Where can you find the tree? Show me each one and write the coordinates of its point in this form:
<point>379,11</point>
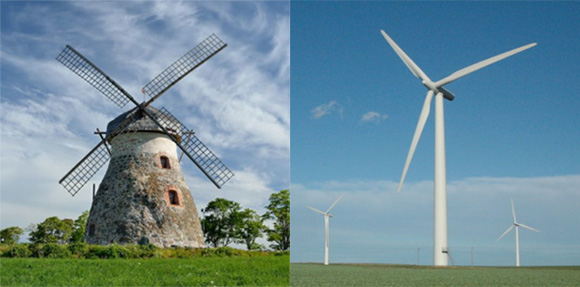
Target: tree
<point>221,225</point>
<point>279,211</point>
<point>251,228</point>
<point>79,226</point>
<point>11,235</point>
<point>52,230</point>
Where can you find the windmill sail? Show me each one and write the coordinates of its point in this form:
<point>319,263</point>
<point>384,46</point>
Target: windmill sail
<point>81,173</point>
<point>93,75</point>
<point>196,150</point>
<point>89,165</point>
<point>183,66</point>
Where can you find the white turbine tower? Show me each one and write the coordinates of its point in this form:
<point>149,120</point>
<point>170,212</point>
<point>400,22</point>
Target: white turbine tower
<point>440,248</point>
<point>516,225</point>
<point>327,216</point>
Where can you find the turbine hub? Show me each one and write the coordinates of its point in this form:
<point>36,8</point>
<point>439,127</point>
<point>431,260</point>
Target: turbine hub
<point>430,86</point>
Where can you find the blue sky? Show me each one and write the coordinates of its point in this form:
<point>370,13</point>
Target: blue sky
<point>238,103</point>
<point>511,132</point>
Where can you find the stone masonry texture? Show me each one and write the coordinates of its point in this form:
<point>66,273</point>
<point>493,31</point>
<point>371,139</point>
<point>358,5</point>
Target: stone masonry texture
<point>131,204</point>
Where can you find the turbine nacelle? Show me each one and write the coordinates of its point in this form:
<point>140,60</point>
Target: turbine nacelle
<point>433,87</point>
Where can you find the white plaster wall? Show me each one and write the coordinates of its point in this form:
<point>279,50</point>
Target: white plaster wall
<point>143,142</point>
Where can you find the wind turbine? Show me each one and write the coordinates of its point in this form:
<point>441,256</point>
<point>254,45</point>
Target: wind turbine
<point>516,225</point>
<point>440,248</point>
<point>327,216</point>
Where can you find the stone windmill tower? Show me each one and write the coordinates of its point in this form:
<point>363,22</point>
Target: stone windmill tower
<point>143,197</point>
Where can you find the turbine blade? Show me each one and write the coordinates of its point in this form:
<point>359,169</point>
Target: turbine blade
<point>513,211</point>
<point>506,232</point>
<point>339,198</point>
<point>406,59</point>
<point>527,227</point>
<point>316,210</point>
<point>420,125</point>
<point>482,64</point>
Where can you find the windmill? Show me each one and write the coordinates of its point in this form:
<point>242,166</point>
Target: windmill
<point>440,248</point>
<point>327,216</point>
<point>143,197</point>
<point>516,224</point>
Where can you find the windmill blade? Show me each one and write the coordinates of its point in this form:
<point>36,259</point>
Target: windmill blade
<point>89,165</point>
<point>201,155</point>
<point>506,232</point>
<point>316,210</point>
<point>94,76</point>
<point>513,211</point>
<point>83,171</point>
<point>420,125</point>
<point>406,59</point>
<point>339,198</point>
<point>183,66</point>
<point>527,227</point>
<point>482,64</point>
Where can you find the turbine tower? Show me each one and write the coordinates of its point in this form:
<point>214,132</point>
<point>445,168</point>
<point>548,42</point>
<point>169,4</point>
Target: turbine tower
<point>516,225</point>
<point>327,216</point>
<point>440,247</point>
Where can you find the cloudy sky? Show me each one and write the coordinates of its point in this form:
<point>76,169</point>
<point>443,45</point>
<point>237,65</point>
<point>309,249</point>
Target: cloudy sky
<point>238,103</point>
<point>511,132</point>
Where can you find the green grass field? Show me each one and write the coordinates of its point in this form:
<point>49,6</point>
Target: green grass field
<point>217,271</point>
<point>398,275</point>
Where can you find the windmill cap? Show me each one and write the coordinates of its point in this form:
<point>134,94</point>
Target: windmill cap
<point>144,124</point>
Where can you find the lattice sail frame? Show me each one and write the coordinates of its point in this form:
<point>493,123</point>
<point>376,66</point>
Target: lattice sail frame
<point>87,167</point>
<point>92,75</point>
<point>197,151</point>
<point>183,66</point>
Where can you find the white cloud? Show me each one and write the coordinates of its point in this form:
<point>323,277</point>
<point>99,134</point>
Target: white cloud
<point>373,117</point>
<point>374,223</point>
<point>326,109</point>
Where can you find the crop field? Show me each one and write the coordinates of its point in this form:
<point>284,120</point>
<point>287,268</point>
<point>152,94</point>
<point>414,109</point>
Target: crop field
<point>302,274</point>
<point>203,271</point>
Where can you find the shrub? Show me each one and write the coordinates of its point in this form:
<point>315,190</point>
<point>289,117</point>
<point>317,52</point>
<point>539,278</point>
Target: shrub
<point>113,251</point>
<point>282,253</point>
<point>53,250</point>
<point>4,248</point>
<point>142,251</point>
<point>36,250</point>
<point>79,249</point>
<point>18,251</point>
<point>120,251</point>
<point>223,252</point>
<point>99,251</point>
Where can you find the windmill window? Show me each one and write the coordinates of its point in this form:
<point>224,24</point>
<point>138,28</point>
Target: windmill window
<point>91,229</point>
<point>173,197</point>
<point>164,162</point>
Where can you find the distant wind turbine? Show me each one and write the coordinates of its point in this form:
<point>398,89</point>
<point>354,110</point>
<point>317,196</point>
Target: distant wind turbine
<point>516,225</point>
<point>440,248</point>
<point>327,215</point>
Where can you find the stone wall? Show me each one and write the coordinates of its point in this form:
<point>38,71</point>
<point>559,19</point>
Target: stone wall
<point>132,204</point>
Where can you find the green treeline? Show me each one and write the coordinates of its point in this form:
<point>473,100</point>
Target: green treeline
<point>224,222</point>
<point>83,250</point>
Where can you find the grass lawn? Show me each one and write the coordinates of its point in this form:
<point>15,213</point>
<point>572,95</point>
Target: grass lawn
<point>302,274</point>
<point>212,271</point>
